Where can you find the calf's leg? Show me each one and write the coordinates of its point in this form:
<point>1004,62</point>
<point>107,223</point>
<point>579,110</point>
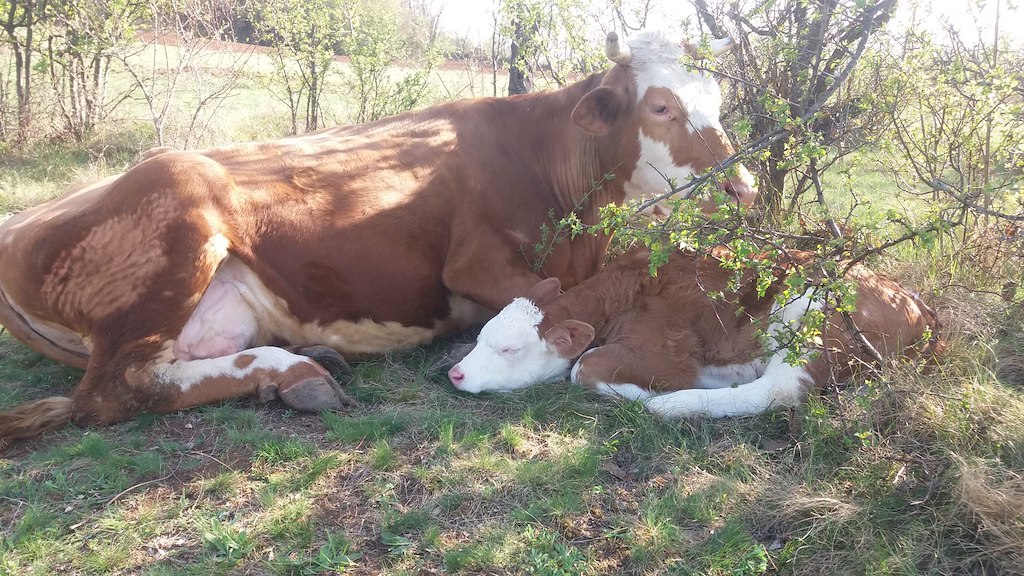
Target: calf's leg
<point>620,371</point>
<point>780,385</point>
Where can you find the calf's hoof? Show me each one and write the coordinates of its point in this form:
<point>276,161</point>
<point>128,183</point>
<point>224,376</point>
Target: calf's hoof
<point>452,355</point>
<point>316,394</point>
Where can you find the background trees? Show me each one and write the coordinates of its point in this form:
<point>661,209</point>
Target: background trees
<point>819,89</point>
<point>895,142</point>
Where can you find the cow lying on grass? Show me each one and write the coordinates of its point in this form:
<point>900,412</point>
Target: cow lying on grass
<point>176,283</point>
<point>664,341</point>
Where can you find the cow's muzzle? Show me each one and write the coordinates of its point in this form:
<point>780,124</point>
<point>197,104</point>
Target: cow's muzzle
<point>741,186</point>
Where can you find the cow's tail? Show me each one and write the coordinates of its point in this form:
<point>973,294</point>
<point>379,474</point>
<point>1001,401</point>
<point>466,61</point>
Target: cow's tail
<point>32,419</point>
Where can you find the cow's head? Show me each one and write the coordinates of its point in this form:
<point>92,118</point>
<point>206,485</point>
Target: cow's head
<point>518,348</point>
<point>675,109</point>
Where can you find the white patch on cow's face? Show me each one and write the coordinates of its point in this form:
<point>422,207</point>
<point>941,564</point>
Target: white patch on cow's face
<point>656,63</point>
<point>655,172</point>
<point>698,93</point>
<point>510,353</point>
<point>674,103</point>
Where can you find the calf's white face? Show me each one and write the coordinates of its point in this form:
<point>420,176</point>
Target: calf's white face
<point>510,352</point>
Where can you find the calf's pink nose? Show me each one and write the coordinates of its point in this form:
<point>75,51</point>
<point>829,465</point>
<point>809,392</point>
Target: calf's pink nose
<point>456,376</point>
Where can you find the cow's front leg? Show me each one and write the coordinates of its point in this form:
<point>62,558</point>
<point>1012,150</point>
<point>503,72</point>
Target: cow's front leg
<point>490,274</point>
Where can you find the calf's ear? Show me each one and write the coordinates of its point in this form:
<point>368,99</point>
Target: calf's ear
<point>570,337</point>
<point>544,291</point>
<point>598,110</point>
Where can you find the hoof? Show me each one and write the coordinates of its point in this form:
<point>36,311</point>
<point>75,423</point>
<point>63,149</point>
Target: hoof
<point>267,392</point>
<point>329,359</point>
<point>316,394</point>
<point>452,356</point>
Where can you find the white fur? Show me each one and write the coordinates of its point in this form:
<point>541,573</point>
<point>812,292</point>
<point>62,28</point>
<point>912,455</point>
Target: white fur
<point>510,353</point>
<point>781,384</point>
<point>624,391</point>
<point>731,375</point>
<point>186,374</point>
<point>656,63</point>
<point>655,171</point>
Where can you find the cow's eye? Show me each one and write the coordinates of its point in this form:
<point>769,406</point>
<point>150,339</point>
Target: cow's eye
<point>509,350</point>
<point>661,110</point>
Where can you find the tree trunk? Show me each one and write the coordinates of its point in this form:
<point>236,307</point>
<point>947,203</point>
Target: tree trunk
<point>22,60</point>
<point>518,81</point>
<point>772,185</point>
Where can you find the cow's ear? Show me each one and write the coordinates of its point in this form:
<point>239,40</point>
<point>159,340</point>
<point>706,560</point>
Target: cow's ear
<point>544,291</point>
<point>598,110</point>
<point>570,337</point>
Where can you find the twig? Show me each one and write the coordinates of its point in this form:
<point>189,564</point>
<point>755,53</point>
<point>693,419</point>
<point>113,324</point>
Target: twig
<point>139,485</point>
<point>212,458</point>
<point>962,198</point>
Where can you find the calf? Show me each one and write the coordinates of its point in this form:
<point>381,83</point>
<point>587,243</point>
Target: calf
<point>664,340</point>
<point>176,283</point>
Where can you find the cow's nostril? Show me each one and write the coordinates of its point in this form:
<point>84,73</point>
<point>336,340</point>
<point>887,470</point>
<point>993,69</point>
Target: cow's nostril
<point>456,375</point>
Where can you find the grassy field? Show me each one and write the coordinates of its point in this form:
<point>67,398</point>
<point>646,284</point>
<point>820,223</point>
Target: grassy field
<point>909,473</point>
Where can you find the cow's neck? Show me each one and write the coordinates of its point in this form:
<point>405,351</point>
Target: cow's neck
<point>577,167</point>
<point>575,164</point>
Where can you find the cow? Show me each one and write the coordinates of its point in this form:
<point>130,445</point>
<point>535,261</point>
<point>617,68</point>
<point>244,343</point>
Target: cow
<point>669,342</point>
<point>192,277</point>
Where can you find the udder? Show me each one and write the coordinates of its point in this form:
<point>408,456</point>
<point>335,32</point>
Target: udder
<point>222,324</point>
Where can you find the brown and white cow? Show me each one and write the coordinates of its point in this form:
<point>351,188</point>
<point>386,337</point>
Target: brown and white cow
<point>663,340</point>
<point>171,283</point>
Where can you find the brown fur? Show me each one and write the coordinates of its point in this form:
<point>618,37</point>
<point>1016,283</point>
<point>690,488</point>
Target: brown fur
<point>34,418</point>
<point>382,223</point>
<point>657,332</point>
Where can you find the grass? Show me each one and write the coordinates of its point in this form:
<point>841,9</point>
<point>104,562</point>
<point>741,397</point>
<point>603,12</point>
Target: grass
<point>909,474</point>
<point>916,475</point>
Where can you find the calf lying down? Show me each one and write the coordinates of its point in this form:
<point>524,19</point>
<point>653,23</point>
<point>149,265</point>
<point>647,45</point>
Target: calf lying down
<point>664,341</point>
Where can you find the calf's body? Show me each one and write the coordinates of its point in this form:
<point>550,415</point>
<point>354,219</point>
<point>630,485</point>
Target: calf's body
<point>173,283</point>
<point>667,341</point>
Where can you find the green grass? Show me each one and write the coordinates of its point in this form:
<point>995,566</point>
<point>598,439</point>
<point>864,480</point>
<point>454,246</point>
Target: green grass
<point>913,474</point>
<point>482,484</point>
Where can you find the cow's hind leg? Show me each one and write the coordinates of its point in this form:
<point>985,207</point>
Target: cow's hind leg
<point>163,385</point>
<point>149,247</point>
<point>265,373</point>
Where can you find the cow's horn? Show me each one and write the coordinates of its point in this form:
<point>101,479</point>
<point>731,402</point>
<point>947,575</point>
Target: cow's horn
<point>720,46</point>
<point>716,47</point>
<point>618,53</point>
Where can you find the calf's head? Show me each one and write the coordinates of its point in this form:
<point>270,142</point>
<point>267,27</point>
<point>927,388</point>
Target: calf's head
<point>675,110</point>
<point>520,347</point>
